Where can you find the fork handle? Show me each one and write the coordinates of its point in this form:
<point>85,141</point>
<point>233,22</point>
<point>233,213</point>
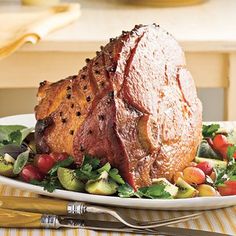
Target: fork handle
<point>36,205</point>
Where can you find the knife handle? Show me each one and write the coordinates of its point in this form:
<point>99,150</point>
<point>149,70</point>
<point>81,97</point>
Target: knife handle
<point>18,219</point>
<point>36,205</point>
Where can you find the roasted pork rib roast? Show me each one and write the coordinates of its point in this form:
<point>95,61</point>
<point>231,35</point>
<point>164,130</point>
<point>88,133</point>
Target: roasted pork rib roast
<point>133,105</point>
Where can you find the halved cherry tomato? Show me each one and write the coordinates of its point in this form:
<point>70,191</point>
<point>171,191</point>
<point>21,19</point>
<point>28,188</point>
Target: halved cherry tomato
<point>228,188</point>
<point>206,167</point>
<point>30,172</point>
<point>44,162</point>
<point>220,141</point>
<point>220,144</point>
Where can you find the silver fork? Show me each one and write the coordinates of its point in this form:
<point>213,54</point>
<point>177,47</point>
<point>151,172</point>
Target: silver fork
<point>80,208</point>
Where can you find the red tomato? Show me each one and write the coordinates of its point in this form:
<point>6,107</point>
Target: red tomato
<point>59,156</point>
<point>219,141</point>
<point>31,172</point>
<point>44,162</point>
<point>206,167</point>
<point>229,188</point>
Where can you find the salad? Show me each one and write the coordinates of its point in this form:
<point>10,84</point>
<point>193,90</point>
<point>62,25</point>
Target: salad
<point>212,173</point>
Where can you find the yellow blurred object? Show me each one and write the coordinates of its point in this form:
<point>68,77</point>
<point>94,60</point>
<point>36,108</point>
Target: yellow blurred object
<point>40,2</point>
<point>37,205</point>
<point>165,3</point>
<point>26,24</point>
<point>19,219</point>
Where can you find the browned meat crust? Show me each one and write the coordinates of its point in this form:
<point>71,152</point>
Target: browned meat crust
<point>134,105</point>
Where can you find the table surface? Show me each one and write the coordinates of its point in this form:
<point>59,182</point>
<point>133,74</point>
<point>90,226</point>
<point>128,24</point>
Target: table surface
<point>204,27</point>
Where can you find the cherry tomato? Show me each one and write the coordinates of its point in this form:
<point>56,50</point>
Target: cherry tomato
<point>219,141</point>
<point>59,156</point>
<point>206,167</point>
<point>228,188</point>
<point>221,145</point>
<point>30,172</point>
<point>194,175</point>
<point>44,162</point>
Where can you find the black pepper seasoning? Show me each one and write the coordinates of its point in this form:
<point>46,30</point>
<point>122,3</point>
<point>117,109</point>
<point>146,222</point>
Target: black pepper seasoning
<point>101,117</point>
<point>81,148</point>
<point>43,83</point>
<point>78,113</point>
<point>63,120</point>
<point>71,132</point>
<point>88,99</point>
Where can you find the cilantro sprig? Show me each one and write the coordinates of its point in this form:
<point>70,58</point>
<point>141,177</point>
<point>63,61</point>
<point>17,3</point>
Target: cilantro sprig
<point>230,172</point>
<point>210,130</point>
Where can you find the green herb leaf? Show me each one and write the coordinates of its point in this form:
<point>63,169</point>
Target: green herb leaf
<point>209,130</point>
<point>114,174</point>
<point>6,130</point>
<point>126,191</point>
<point>49,184</point>
<point>20,162</point>
<point>86,172</point>
<point>25,132</point>
<point>155,191</point>
<point>224,175</point>
<point>233,177</point>
<point>15,137</point>
<point>106,168</point>
<point>93,161</point>
<point>64,163</point>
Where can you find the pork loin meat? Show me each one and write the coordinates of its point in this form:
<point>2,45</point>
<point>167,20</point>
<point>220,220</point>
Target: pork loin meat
<point>134,105</point>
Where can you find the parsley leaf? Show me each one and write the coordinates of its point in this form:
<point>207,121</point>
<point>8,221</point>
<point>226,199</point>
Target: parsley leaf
<point>64,163</point>
<point>106,168</point>
<point>126,191</point>
<point>210,130</point>
<point>49,184</point>
<point>230,172</point>
<point>114,174</point>
<point>85,172</point>
<point>94,162</point>
<point>155,191</point>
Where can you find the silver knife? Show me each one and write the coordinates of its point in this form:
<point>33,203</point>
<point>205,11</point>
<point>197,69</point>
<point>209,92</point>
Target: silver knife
<point>57,222</point>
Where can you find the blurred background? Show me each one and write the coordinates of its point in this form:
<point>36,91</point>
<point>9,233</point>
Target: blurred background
<point>205,29</point>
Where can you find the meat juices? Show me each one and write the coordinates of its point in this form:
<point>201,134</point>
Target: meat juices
<point>134,105</point>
